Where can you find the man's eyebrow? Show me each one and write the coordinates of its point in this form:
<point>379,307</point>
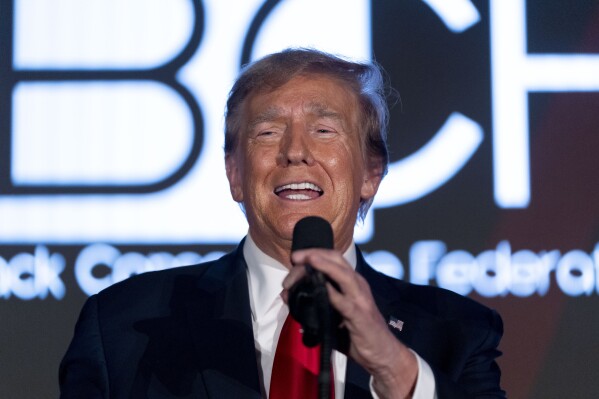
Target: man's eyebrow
<point>323,111</point>
<point>274,112</point>
<point>270,114</point>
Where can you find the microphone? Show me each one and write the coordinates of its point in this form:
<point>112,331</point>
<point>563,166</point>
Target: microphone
<point>308,297</point>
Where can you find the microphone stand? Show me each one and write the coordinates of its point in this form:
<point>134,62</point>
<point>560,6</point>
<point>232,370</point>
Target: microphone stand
<point>327,344</point>
<point>310,306</point>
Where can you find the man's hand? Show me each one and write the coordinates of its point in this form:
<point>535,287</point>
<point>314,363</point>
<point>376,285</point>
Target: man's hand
<point>393,366</point>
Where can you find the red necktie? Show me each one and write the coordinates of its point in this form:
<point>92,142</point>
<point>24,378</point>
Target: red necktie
<point>295,368</point>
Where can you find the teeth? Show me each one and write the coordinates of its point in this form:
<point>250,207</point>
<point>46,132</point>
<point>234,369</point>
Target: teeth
<point>298,186</point>
<point>298,197</point>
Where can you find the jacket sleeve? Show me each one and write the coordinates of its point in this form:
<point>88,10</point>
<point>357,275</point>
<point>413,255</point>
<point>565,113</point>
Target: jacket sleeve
<point>83,372</point>
<point>480,377</point>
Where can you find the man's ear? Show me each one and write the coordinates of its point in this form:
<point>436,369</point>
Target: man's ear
<point>373,175</point>
<point>234,177</point>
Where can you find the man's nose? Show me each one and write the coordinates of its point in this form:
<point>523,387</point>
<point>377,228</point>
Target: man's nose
<point>295,147</point>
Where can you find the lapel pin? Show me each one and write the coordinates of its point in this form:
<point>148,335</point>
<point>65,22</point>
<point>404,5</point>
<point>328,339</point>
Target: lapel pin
<point>396,323</point>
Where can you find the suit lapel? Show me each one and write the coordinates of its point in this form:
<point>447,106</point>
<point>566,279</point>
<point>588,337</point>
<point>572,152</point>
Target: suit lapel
<point>218,313</point>
<point>358,379</point>
<point>401,310</point>
<point>422,330</point>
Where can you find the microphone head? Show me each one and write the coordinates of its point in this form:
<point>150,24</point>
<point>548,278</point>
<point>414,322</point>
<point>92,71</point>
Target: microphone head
<point>312,232</point>
<point>308,298</point>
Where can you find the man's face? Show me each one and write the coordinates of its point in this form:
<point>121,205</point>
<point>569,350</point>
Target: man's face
<point>299,154</point>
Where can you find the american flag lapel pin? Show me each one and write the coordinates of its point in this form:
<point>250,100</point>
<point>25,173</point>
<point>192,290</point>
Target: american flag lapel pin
<point>396,323</point>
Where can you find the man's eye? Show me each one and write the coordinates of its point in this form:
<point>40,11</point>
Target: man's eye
<point>325,132</point>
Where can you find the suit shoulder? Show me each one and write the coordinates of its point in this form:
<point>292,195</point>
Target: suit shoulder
<point>441,303</point>
<point>444,301</point>
<point>151,279</point>
<point>155,287</point>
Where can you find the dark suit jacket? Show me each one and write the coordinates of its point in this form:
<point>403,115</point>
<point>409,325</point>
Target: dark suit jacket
<point>187,333</point>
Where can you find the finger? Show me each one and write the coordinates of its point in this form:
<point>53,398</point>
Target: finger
<point>285,295</point>
<point>322,256</point>
<point>336,268</point>
<point>339,302</point>
<point>332,263</point>
<point>295,274</point>
<point>351,306</point>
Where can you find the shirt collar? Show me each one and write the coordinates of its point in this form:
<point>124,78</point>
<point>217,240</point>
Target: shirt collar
<point>266,275</point>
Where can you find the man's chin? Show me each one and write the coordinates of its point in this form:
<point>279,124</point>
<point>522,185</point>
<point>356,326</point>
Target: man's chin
<point>283,227</point>
<point>292,219</point>
<point>279,231</point>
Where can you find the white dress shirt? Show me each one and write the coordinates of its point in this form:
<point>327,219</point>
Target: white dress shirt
<point>265,281</point>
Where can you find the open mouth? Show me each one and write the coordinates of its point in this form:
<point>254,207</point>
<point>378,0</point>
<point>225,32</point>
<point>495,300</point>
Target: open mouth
<point>299,191</point>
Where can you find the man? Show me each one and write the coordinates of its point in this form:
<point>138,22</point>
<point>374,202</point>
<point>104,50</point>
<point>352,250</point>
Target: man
<point>305,136</point>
